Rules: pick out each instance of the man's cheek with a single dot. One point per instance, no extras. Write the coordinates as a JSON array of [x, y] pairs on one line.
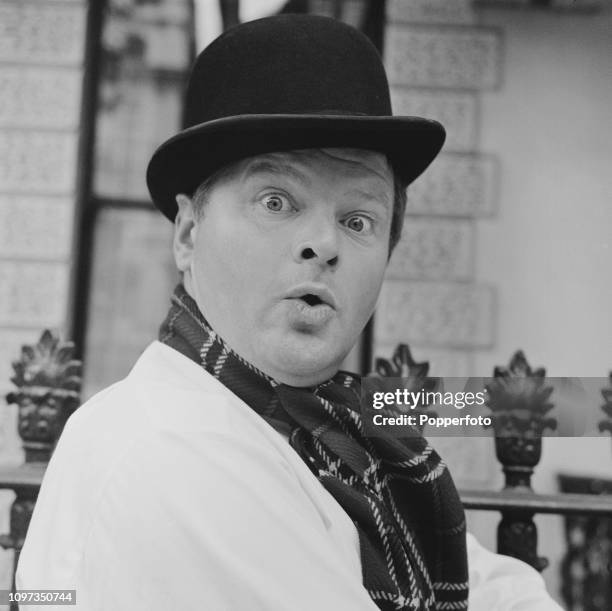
[[365, 295], [373, 277]]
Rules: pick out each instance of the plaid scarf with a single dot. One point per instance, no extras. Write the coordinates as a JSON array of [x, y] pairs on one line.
[[398, 492]]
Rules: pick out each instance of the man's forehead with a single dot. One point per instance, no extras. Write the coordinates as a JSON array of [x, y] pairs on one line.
[[360, 162]]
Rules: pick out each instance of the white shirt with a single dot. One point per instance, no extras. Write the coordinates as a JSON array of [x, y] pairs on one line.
[[166, 491]]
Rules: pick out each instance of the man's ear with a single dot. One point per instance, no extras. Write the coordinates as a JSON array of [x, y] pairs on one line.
[[184, 224]]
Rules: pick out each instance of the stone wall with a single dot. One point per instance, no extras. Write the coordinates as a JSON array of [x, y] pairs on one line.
[[42, 46]]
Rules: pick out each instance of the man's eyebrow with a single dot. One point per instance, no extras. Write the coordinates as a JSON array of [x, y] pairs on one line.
[[270, 166]]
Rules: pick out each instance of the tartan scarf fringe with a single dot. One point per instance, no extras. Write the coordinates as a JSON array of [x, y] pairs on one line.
[[398, 492]]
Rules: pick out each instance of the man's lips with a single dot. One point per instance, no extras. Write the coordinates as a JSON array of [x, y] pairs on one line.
[[311, 305], [313, 294]]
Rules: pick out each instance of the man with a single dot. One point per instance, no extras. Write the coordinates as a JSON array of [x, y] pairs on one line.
[[230, 469]]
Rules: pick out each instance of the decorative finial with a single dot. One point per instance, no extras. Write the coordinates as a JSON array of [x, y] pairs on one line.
[[402, 365], [413, 374], [518, 398], [48, 382]]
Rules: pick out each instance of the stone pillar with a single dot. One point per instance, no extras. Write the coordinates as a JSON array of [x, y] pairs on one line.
[[42, 46], [438, 62]]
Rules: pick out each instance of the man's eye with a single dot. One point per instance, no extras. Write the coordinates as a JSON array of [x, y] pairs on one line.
[[276, 203], [359, 224]]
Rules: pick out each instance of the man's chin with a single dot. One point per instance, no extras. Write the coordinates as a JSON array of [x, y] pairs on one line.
[[303, 358]]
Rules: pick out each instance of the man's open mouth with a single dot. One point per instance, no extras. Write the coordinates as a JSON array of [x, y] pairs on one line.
[[312, 294], [312, 300]]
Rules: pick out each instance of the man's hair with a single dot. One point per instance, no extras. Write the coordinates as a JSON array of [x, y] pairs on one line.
[[200, 197], [400, 197]]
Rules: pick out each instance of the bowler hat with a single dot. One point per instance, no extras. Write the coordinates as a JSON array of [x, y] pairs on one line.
[[285, 83]]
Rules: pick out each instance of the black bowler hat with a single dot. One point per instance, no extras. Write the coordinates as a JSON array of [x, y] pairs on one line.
[[285, 83]]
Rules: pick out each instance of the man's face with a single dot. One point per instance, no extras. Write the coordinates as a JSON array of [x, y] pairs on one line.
[[289, 257]]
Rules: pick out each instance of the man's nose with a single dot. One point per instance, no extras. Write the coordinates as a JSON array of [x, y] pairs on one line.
[[319, 242]]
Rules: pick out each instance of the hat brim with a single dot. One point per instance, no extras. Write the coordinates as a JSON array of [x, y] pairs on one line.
[[184, 161]]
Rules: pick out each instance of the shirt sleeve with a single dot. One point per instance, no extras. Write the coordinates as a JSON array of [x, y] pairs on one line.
[[210, 522], [502, 583]]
